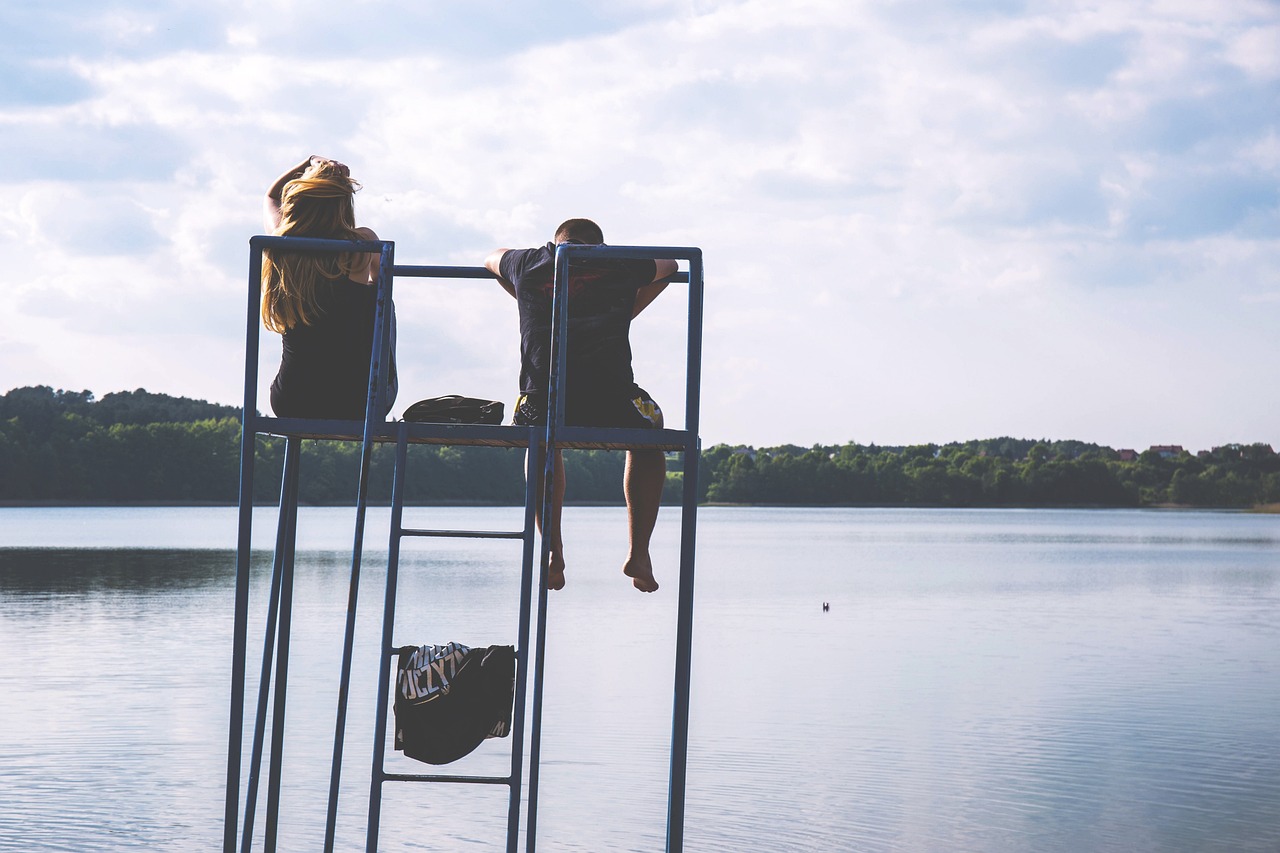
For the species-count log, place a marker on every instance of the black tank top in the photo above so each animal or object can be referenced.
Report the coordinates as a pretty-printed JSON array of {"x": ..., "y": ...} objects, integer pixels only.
[{"x": 324, "y": 367}]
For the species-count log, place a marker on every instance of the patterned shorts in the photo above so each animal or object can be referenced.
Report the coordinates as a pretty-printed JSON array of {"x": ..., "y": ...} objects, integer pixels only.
[{"x": 636, "y": 410}]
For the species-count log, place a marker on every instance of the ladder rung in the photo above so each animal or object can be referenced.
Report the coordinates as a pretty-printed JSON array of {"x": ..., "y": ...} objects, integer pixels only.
[
  {"x": 464, "y": 534},
  {"x": 476, "y": 780},
  {"x": 394, "y": 651}
]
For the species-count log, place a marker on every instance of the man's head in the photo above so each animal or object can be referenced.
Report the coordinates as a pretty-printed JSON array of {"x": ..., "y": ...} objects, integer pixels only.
[{"x": 579, "y": 231}]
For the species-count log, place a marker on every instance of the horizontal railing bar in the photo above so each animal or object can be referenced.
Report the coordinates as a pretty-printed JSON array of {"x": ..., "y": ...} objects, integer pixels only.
[
  {"x": 463, "y": 534},
  {"x": 675, "y": 253},
  {"x": 394, "y": 651},
  {"x": 436, "y": 271},
  {"x": 315, "y": 244},
  {"x": 430, "y": 271},
  {"x": 475, "y": 780},
  {"x": 493, "y": 435}
]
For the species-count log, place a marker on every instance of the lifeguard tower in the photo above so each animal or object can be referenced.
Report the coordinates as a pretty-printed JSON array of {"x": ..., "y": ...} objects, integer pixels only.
[{"x": 243, "y": 793}]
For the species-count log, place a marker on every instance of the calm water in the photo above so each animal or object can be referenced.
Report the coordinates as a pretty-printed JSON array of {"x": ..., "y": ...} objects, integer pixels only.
[{"x": 984, "y": 681}]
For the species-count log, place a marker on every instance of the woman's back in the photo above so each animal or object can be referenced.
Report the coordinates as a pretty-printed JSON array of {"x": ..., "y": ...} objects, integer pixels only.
[
  {"x": 324, "y": 366},
  {"x": 324, "y": 306}
]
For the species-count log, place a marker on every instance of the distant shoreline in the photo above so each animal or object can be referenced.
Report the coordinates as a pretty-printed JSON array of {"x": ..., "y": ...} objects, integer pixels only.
[
  {"x": 1266, "y": 509},
  {"x": 66, "y": 504},
  {"x": 61, "y": 448}
]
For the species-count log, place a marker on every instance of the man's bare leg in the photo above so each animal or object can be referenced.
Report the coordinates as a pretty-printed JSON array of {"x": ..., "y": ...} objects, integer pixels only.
[
  {"x": 555, "y": 565},
  {"x": 642, "y": 483}
]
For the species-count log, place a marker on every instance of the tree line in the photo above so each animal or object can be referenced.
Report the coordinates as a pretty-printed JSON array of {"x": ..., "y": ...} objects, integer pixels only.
[
  {"x": 993, "y": 472},
  {"x": 139, "y": 447}
]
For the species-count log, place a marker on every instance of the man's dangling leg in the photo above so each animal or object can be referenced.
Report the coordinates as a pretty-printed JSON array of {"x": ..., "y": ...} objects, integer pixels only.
[
  {"x": 645, "y": 475},
  {"x": 555, "y": 565}
]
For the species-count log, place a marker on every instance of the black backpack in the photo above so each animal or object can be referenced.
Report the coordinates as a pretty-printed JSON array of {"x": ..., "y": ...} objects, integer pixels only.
[
  {"x": 450, "y": 698},
  {"x": 453, "y": 409}
]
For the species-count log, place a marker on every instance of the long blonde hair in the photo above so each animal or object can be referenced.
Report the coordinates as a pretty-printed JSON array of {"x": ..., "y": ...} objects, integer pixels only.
[{"x": 317, "y": 204}]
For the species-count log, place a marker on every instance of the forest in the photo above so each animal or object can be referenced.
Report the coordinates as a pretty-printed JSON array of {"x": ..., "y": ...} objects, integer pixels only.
[{"x": 136, "y": 447}]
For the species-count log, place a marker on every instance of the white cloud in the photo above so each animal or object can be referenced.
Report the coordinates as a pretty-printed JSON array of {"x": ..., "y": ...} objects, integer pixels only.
[
  {"x": 928, "y": 221},
  {"x": 1257, "y": 51},
  {"x": 87, "y": 220}
]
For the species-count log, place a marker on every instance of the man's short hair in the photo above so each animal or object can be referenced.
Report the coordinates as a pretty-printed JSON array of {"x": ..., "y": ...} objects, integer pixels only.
[{"x": 579, "y": 231}]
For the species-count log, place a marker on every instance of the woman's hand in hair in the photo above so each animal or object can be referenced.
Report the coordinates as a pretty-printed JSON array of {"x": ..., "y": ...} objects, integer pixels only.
[
  {"x": 341, "y": 169},
  {"x": 271, "y": 204},
  {"x": 271, "y": 212}
]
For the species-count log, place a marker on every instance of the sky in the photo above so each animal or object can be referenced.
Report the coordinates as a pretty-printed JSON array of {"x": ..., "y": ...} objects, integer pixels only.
[{"x": 922, "y": 221}]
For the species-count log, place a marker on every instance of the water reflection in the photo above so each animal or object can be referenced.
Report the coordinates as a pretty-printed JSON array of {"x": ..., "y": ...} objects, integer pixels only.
[
  {"x": 83, "y": 571},
  {"x": 984, "y": 681}
]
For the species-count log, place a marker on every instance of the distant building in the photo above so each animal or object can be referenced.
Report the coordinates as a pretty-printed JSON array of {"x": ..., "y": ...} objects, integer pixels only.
[
  {"x": 1127, "y": 455},
  {"x": 1167, "y": 451}
]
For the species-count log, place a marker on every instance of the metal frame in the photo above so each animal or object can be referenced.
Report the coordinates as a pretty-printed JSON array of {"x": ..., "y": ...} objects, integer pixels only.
[{"x": 374, "y": 430}]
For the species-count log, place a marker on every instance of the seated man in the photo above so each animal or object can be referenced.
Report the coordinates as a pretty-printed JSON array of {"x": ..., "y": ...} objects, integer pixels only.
[{"x": 604, "y": 296}]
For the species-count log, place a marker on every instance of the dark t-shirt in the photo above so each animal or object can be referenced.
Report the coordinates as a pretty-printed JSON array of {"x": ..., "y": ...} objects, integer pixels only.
[
  {"x": 324, "y": 367},
  {"x": 602, "y": 295}
]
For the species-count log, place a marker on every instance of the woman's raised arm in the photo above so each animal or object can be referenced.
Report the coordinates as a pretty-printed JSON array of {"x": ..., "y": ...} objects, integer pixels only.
[{"x": 271, "y": 204}]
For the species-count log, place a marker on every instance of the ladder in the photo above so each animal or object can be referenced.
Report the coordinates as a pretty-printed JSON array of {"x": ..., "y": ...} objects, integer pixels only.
[{"x": 239, "y": 827}]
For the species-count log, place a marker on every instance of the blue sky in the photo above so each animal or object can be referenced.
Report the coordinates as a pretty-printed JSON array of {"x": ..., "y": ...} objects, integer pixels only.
[{"x": 922, "y": 221}]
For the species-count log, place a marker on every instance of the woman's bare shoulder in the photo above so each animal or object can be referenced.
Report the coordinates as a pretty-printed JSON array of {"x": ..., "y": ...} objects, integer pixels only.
[{"x": 368, "y": 274}]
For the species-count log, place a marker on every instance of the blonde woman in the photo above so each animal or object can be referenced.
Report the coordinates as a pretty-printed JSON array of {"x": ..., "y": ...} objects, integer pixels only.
[{"x": 321, "y": 304}]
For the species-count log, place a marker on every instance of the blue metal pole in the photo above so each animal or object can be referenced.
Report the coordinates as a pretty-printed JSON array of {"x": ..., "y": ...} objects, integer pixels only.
[
  {"x": 533, "y": 463},
  {"x": 380, "y": 374},
  {"x": 264, "y": 680},
  {"x": 684, "y": 647},
  {"x": 286, "y": 546},
  {"x": 239, "y": 633},
  {"x": 388, "y": 627},
  {"x": 688, "y": 528},
  {"x": 539, "y": 649},
  {"x": 559, "y": 341},
  {"x": 373, "y": 414},
  {"x": 554, "y": 416},
  {"x": 693, "y": 375}
]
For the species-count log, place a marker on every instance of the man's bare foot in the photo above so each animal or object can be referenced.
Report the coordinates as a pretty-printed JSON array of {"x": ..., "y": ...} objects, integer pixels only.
[
  {"x": 555, "y": 571},
  {"x": 640, "y": 570}
]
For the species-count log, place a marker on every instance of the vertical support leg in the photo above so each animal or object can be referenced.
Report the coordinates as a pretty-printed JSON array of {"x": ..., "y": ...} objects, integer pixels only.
[
  {"x": 235, "y": 735},
  {"x": 388, "y": 628},
  {"x": 239, "y": 642},
  {"x": 353, "y": 596},
  {"x": 540, "y": 644},
  {"x": 684, "y": 654},
  {"x": 285, "y": 548},
  {"x": 240, "y": 629},
  {"x": 374, "y": 412},
  {"x": 284, "y": 532},
  {"x": 533, "y": 464},
  {"x": 688, "y": 529}
]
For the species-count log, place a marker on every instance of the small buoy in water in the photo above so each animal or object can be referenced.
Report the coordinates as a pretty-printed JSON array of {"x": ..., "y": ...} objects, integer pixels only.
[{"x": 825, "y": 607}]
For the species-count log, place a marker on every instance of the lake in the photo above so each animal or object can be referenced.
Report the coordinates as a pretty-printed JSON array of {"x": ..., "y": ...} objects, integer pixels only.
[{"x": 984, "y": 680}]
